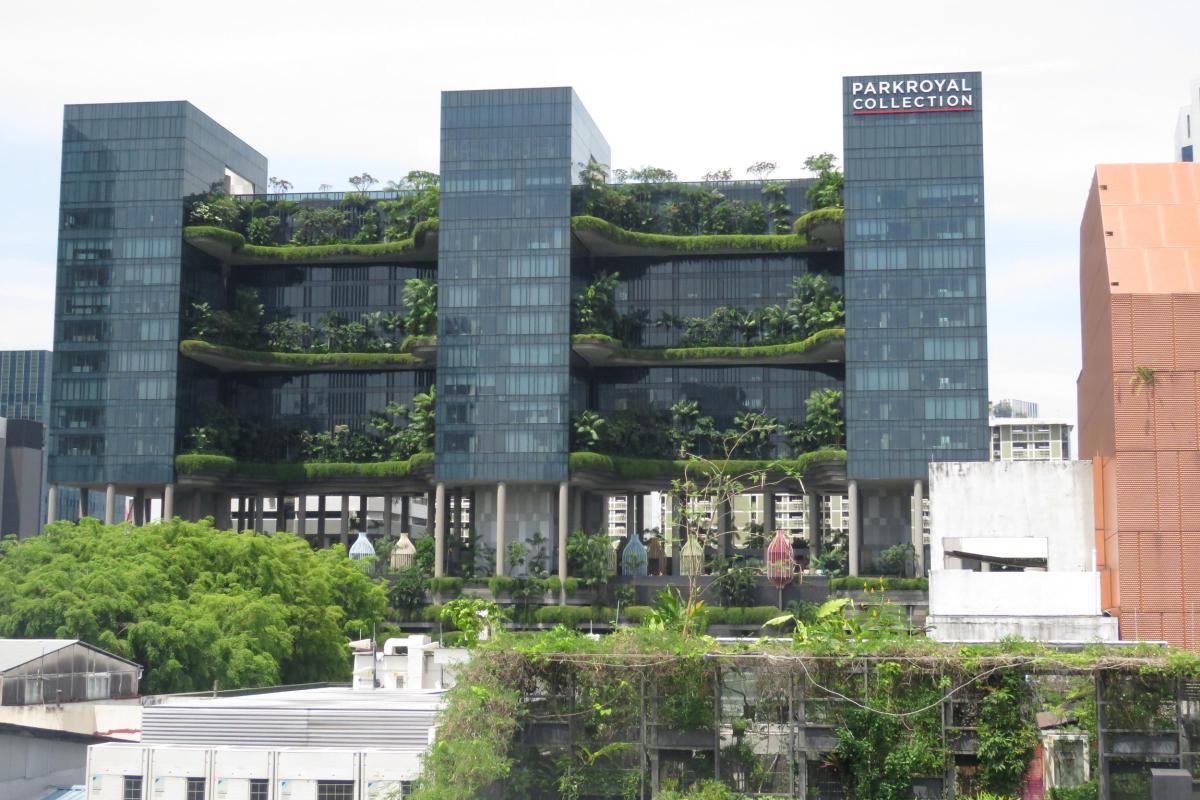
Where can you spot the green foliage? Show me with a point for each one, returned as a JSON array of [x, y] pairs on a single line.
[[585, 431], [202, 464], [446, 585], [420, 296], [824, 423], [877, 584], [471, 615], [262, 230], [1007, 733], [809, 223], [191, 604], [587, 559], [1085, 791], [319, 226], [303, 361], [424, 558], [826, 192], [217, 209], [407, 589], [705, 790], [896, 559], [572, 616], [737, 581], [667, 243], [730, 352], [647, 468]]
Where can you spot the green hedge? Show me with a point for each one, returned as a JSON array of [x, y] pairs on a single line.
[[200, 463], [634, 615], [750, 243], [642, 468], [355, 361], [876, 583], [730, 352], [740, 615], [294, 252], [573, 615], [818, 216], [446, 586]]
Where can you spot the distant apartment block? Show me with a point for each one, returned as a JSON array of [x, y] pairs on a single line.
[[1011, 407], [1030, 439]]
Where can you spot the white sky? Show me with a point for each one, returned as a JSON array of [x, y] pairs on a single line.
[[328, 90]]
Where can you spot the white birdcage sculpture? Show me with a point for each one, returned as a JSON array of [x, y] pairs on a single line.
[[691, 557], [362, 548], [404, 554]]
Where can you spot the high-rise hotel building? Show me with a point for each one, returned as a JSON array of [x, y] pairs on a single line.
[[512, 249]]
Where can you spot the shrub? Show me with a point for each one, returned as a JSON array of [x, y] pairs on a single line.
[[635, 615], [407, 589], [502, 584], [446, 586], [572, 616]]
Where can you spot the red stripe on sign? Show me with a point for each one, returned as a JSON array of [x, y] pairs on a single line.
[[914, 111]]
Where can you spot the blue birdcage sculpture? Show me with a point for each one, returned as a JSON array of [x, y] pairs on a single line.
[[633, 559]]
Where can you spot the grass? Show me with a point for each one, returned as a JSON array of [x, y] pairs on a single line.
[[647, 468], [287, 253], [733, 353], [351, 361], [206, 464], [747, 242]]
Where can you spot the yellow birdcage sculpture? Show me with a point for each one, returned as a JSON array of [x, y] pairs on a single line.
[[691, 557], [404, 554]]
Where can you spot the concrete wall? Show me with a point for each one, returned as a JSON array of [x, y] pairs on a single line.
[[119, 719], [1020, 593], [1060, 629], [30, 766], [1051, 500]]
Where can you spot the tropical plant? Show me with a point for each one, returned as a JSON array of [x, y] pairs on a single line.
[[585, 430], [471, 616], [588, 559], [824, 423], [318, 225], [895, 560], [262, 230], [826, 192], [362, 182], [420, 298], [407, 589]]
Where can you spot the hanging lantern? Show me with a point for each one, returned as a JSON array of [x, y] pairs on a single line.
[[404, 554], [691, 557], [781, 567], [634, 561]]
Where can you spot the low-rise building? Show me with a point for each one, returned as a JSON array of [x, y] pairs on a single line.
[[1012, 553]]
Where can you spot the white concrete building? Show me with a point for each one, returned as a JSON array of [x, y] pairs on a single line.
[[1186, 132], [1012, 553]]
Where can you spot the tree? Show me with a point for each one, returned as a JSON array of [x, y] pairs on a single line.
[[725, 174], [362, 182], [826, 192], [761, 170], [420, 297], [824, 423], [324, 187], [651, 175], [191, 604], [279, 185]]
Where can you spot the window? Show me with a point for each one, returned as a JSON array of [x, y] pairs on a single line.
[[335, 790], [132, 789], [195, 789], [258, 788]]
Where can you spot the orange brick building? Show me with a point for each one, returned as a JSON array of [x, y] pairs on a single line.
[[1139, 392]]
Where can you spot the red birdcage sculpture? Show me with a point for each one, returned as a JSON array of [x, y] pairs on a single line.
[[781, 566]]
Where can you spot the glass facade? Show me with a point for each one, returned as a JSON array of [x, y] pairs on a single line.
[[126, 168], [504, 292], [916, 336]]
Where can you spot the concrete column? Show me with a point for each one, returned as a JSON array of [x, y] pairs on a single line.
[[224, 503], [139, 507], [110, 504], [812, 502], [439, 530], [241, 511], [768, 516], [52, 504], [344, 533], [83, 503], [918, 525], [260, 503], [429, 503], [855, 538], [405, 520], [196, 509], [387, 515], [501, 502], [146, 510], [322, 536], [168, 506], [280, 513], [301, 516], [362, 511], [678, 531], [564, 491]]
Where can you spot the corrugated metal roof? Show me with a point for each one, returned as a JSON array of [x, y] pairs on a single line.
[[331, 717], [67, 793]]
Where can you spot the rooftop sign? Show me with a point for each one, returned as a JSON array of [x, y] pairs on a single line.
[[912, 95]]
